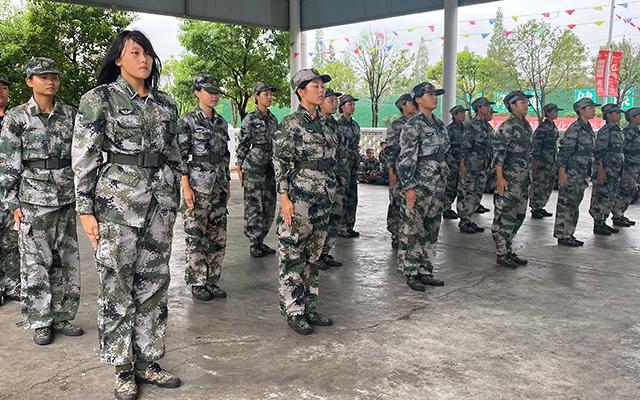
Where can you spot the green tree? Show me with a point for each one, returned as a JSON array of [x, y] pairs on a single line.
[[494, 69], [319, 57], [75, 36], [239, 56], [343, 78], [421, 64]]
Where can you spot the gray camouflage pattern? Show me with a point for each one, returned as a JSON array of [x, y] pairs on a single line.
[[608, 150], [348, 163], [630, 170], [544, 147]]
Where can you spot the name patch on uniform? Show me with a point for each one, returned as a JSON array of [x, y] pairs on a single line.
[[125, 111], [199, 129]]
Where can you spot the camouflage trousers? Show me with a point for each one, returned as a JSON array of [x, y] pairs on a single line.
[[259, 203], [9, 256], [133, 272], [453, 182], [419, 229], [334, 219], [350, 202], [393, 212], [205, 231], [568, 206], [510, 210], [299, 247], [542, 181], [49, 265], [626, 189], [603, 196], [470, 189]]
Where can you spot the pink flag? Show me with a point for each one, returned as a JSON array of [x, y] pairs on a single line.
[[548, 15], [570, 11], [507, 33], [432, 27], [571, 26]]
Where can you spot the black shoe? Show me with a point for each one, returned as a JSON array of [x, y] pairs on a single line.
[[354, 233], [429, 280], [215, 291], [201, 293], [322, 266], [506, 262], [546, 213], [612, 229], [67, 328], [478, 228], [571, 242], [580, 242], [620, 221], [300, 324], [518, 260], [42, 336], [468, 228], [266, 249], [318, 319], [256, 251], [415, 283], [630, 222], [157, 376], [395, 243], [537, 214], [480, 210], [329, 261], [601, 229], [449, 214], [485, 209]]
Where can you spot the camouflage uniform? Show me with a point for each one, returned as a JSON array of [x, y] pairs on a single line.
[[304, 155], [421, 166], [349, 134], [476, 150], [368, 166], [455, 130], [135, 204], [631, 168], [391, 152], [205, 227], [544, 148], [608, 150], [254, 154], [511, 149], [338, 205], [49, 260]]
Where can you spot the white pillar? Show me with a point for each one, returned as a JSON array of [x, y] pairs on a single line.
[[295, 36], [449, 57]]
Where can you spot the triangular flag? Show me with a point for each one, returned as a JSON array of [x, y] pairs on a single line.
[[599, 23], [380, 36], [372, 49], [321, 43], [347, 39], [632, 24], [484, 35], [432, 27], [507, 33], [625, 5], [598, 8], [310, 53], [618, 16], [548, 15], [472, 22], [627, 20], [356, 51], [389, 46], [327, 52], [395, 33], [492, 21], [296, 54], [409, 44], [291, 43], [571, 26], [515, 18], [332, 41], [411, 29], [441, 37], [466, 35], [539, 30], [570, 11]]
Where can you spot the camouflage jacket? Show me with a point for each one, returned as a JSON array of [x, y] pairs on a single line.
[[392, 140], [512, 148], [609, 148], [477, 142], [255, 141], [113, 118], [423, 147], [30, 134], [302, 138], [455, 130], [632, 145], [202, 136], [370, 165], [576, 148], [545, 142], [349, 135]]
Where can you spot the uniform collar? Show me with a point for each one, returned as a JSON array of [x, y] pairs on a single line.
[[438, 122], [35, 110], [306, 113], [128, 90], [585, 124]]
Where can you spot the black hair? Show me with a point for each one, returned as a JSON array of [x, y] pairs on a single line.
[[110, 71], [302, 86]]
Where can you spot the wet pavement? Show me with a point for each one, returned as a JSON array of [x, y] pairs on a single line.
[[564, 327]]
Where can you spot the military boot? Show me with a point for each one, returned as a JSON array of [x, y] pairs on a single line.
[[537, 214], [395, 243], [570, 242], [467, 228], [415, 283], [353, 233], [67, 328], [256, 251], [155, 375], [318, 319], [580, 242], [612, 229], [300, 324], [429, 280], [201, 293], [449, 214], [620, 221], [42, 336], [215, 291], [600, 228], [630, 222], [545, 213], [506, 262], [477, 228], [125, 387], [266, 249], [329, 261], [516, 259]]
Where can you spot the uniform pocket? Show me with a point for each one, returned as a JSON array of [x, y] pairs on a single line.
[[35, 144], [126, 123]]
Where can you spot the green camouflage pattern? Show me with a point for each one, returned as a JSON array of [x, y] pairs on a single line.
[[544, 148], [512, 150], [575, 155], [630, 170], [302, 138], [9, 256], [390, 155], [335, 218], [608, 150], [258, 174], [419, 140], [371, 166], [455, 130], [349, 134]]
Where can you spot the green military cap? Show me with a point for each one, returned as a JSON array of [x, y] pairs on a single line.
[[402, 99], [4, 79], [482, 101], [345, 98], [610, 108], [551, 107], [208, 83], [262, 87], [456, 109], [584, 102], [329, 92], [632, 112], [514, 96], [370, 150], [306, 75], [423, 88], [41, 65]]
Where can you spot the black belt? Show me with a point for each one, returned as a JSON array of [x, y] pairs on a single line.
[[211, 158], [48, 163], [318, 165], [145, 160], [433, 157], [263, 146]]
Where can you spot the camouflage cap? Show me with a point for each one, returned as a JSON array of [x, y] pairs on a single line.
[[632, 112], [370, 150], [514, 96], [4, 79], [329, 92], [306, 75], [456, 109], [610, 108], [39, 66], [423, 88], [551, 107], [402, 99], [345, 98], [262, 87], [584, 102], [208, 83], [481, 101]]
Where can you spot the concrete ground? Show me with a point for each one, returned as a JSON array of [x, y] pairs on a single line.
[[564, 327]]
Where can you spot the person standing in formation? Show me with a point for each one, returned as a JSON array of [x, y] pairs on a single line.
[[349, 132], [630, 170], [455, 130]]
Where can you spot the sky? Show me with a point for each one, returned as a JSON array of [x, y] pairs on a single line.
[[473, 22]]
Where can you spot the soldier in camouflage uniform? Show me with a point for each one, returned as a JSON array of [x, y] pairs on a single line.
[[255, 169], [202, 138], [630, 169], [455, 130], [127, 203], [371, 172], [304, 157], [407, 108], [475, 160], [511, 157], [349, 134], [544, 149], [575, 156], [9, 255], [422, 176], [328, 108], [609, 159], [37, 183]]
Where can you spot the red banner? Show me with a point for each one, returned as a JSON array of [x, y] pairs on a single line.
[[601, 67], [614, 73], [561, 123]]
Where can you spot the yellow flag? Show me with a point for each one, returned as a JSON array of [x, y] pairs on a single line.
[[515, 18], [598, 8], [599, 23]]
